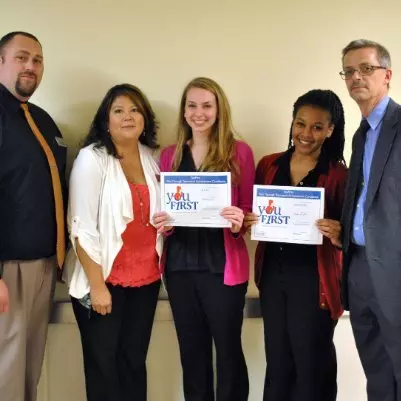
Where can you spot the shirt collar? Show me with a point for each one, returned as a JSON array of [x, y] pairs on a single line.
[[377, 114], [8, 100], [285, 158], [187, 159], [322, 165]]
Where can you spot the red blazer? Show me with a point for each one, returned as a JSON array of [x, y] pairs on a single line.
[[328, 256]]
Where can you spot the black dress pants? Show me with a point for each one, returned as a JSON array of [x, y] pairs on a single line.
[[115, 345], [378, 340], [204, 309], [300, 353]]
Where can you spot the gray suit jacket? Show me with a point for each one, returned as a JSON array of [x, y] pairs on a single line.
[[382, 214]]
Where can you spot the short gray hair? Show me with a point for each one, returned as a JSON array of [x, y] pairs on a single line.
[[383, 55]]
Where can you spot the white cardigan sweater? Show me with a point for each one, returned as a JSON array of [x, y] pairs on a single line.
[[99, 209]]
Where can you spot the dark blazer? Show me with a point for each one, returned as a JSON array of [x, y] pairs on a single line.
[[382, 214]]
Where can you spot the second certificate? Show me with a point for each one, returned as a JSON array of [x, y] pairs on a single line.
[[196, 199], [287, 214]]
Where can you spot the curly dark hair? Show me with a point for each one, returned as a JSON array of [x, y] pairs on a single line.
[[99, 129], [328, 101]]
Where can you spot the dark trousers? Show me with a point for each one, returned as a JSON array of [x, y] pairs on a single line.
[[115, 345], [204, 309], [300, 353], [377, 340]]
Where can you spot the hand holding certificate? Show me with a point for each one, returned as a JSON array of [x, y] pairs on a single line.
[[287, 214], [196, 199]]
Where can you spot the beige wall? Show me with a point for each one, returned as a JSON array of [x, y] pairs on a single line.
[[264, 53], [63, 378]]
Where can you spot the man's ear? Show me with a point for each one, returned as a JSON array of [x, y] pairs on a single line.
[[389, 74]]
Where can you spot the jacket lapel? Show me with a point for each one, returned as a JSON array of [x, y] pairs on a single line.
[[382, 151]]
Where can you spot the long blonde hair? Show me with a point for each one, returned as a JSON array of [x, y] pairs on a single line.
[[221, 140]]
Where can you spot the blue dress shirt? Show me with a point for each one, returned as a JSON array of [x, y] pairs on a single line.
[[375, 120]]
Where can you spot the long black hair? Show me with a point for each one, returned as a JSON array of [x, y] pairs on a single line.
[[328, 101], [99, 130]]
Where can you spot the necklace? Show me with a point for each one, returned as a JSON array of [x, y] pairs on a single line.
[[141, 206]]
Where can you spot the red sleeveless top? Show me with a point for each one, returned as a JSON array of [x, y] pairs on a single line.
[[137, 263]]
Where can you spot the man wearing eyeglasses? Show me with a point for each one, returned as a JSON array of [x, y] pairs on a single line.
[[372, 220]]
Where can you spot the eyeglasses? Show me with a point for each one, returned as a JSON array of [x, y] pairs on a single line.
[[364, 69]]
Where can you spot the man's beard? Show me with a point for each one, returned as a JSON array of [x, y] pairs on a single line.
[[26, 90]]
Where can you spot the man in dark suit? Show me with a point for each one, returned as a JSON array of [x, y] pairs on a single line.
[[372, 221]]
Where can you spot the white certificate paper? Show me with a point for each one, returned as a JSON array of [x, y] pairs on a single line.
[[196, 199], [287, 214]]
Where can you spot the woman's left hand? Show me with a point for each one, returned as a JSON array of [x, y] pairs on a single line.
[[161, 220], [330, 229], [235, 215]]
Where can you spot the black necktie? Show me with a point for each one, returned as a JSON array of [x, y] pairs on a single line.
[[355, 179], [363, 128], [362, 131]]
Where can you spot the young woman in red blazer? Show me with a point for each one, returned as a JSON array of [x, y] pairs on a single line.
[[300, 284]]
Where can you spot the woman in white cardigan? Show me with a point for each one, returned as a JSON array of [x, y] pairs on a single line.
[[115, 281]]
